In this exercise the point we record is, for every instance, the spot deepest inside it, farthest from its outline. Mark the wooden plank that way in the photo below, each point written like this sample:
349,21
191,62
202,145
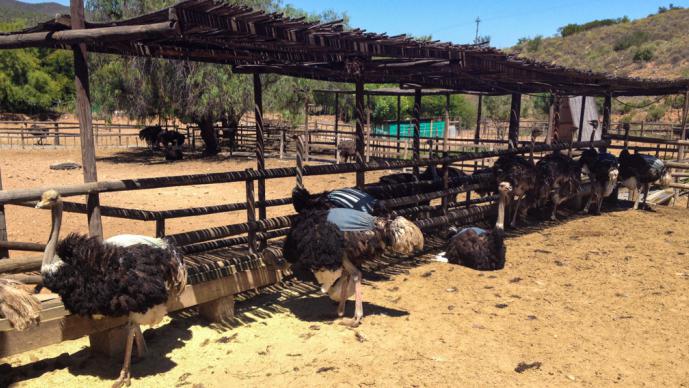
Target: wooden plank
416,155
359,112
58,325
20,264
4,252
22,246
515,115
607,112
83,110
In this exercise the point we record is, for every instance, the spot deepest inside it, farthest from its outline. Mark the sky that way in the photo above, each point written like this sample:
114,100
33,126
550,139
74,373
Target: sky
505,21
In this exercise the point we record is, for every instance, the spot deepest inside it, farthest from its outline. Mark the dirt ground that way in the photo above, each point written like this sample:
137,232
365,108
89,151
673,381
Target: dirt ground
591,301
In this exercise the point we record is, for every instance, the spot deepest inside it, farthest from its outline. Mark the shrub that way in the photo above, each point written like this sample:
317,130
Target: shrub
634,38
655,113
643,54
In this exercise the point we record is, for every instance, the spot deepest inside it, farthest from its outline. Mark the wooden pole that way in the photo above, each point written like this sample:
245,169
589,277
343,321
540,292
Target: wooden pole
416,154
4,252
515,113
360,113
251,212
399,123
551,119
306,128
260,150
337,132
300,162
685,110
581,118
368,148
607,110
83,110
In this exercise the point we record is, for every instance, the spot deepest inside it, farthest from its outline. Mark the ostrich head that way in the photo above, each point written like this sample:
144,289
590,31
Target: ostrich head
505,188
49,199
404,236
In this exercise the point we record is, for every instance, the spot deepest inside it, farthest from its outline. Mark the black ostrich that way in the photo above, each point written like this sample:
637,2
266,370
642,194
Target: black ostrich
518,177
150,136
334,243
126,275
20,308
478,248
640,171
172,142
603,171
40,132
559,179
431,173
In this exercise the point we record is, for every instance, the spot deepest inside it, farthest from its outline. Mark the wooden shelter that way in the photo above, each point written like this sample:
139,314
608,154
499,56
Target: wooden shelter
256,42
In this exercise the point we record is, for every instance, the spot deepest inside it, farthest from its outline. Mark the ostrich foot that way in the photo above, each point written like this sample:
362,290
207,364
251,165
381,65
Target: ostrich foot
125,377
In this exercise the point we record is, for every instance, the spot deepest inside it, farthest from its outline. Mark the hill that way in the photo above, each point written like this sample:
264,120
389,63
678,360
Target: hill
11,10
653,47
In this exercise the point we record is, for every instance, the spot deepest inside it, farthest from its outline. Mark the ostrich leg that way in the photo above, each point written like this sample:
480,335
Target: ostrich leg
343,296
125,377
516,210
647,187
141,347
637,196
358,297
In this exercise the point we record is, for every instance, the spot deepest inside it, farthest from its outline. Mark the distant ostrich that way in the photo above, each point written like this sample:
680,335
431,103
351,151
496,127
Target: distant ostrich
127,275
559,179
478,248
150,135
518,177
603,171
347,150
640,171
40,132
432,173
20,308
333,244
172,142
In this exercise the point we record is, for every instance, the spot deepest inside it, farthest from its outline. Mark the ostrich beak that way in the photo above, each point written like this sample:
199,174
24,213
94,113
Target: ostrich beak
41,205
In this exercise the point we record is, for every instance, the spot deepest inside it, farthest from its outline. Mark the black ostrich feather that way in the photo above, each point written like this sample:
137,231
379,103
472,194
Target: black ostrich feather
483,252
110,280
646,168
313,243
304,201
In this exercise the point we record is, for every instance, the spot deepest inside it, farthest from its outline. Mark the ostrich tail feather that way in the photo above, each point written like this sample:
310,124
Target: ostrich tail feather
406,236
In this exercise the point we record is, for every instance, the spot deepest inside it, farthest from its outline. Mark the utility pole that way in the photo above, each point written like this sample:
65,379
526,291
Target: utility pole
478,21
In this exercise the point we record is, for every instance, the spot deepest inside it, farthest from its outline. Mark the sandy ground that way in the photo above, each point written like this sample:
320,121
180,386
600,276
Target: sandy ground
595,301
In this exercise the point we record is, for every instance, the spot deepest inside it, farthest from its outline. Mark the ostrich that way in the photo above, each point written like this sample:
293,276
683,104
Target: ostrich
518,177
639,171
127,275
20,308
172,142
347,149
559,179
603,171
150,135
478,248
40,132
346,198
334,243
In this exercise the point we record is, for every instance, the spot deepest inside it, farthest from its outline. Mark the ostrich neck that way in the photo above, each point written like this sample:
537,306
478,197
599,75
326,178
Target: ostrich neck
500,224
49,257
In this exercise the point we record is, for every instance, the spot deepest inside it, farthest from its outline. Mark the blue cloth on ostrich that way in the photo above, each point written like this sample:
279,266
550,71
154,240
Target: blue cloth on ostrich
655,164
350,220
476,230
352,199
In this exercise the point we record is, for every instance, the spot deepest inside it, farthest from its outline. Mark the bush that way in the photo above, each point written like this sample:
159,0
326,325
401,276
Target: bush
655,113
634,38
535,43
644,54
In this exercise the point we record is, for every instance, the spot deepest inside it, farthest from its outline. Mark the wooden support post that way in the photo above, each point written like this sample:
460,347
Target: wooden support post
160,227
4,252
368,149
300,162
446,132
582,114
515,113
626,135
399,123
416,154
218,310
551,120
260,149
607,111
83,110
56,140
251,212
307,139
680,156
337,131
642,129
282,143
359,112
477,132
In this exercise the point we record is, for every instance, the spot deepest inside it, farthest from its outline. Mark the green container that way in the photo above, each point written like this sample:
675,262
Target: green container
407,129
